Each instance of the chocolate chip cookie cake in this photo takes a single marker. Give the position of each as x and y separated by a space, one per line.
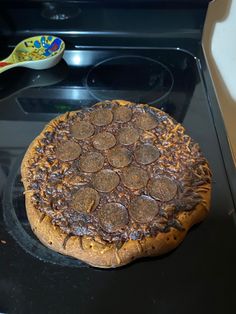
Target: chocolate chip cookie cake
114 182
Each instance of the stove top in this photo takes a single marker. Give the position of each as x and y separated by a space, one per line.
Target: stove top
33 278
160 78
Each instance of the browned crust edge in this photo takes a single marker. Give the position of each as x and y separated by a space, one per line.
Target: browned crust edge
93 252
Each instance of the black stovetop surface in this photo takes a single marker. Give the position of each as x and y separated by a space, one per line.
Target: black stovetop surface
197 277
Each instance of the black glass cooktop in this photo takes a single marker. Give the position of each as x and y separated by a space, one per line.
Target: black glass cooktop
32 277
165 79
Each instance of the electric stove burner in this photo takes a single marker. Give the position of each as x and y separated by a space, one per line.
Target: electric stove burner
134 78
18 225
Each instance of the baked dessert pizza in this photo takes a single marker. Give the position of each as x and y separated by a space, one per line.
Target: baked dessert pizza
114 182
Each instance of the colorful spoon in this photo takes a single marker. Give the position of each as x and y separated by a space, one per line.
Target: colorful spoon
39 52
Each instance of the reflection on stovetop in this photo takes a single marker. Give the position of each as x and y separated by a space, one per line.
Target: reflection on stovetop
164 78
27 78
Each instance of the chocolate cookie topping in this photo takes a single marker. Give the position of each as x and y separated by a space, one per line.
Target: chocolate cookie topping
143 209
116 172
82 129
146 154
122 114
91 162
128 136
162 189
105 180
119 157
85 200
104 140
113 217
68 150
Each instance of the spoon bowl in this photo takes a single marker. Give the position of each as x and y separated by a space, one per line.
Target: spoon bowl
38 52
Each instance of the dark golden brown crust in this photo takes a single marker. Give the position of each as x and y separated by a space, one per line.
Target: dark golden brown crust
94 251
